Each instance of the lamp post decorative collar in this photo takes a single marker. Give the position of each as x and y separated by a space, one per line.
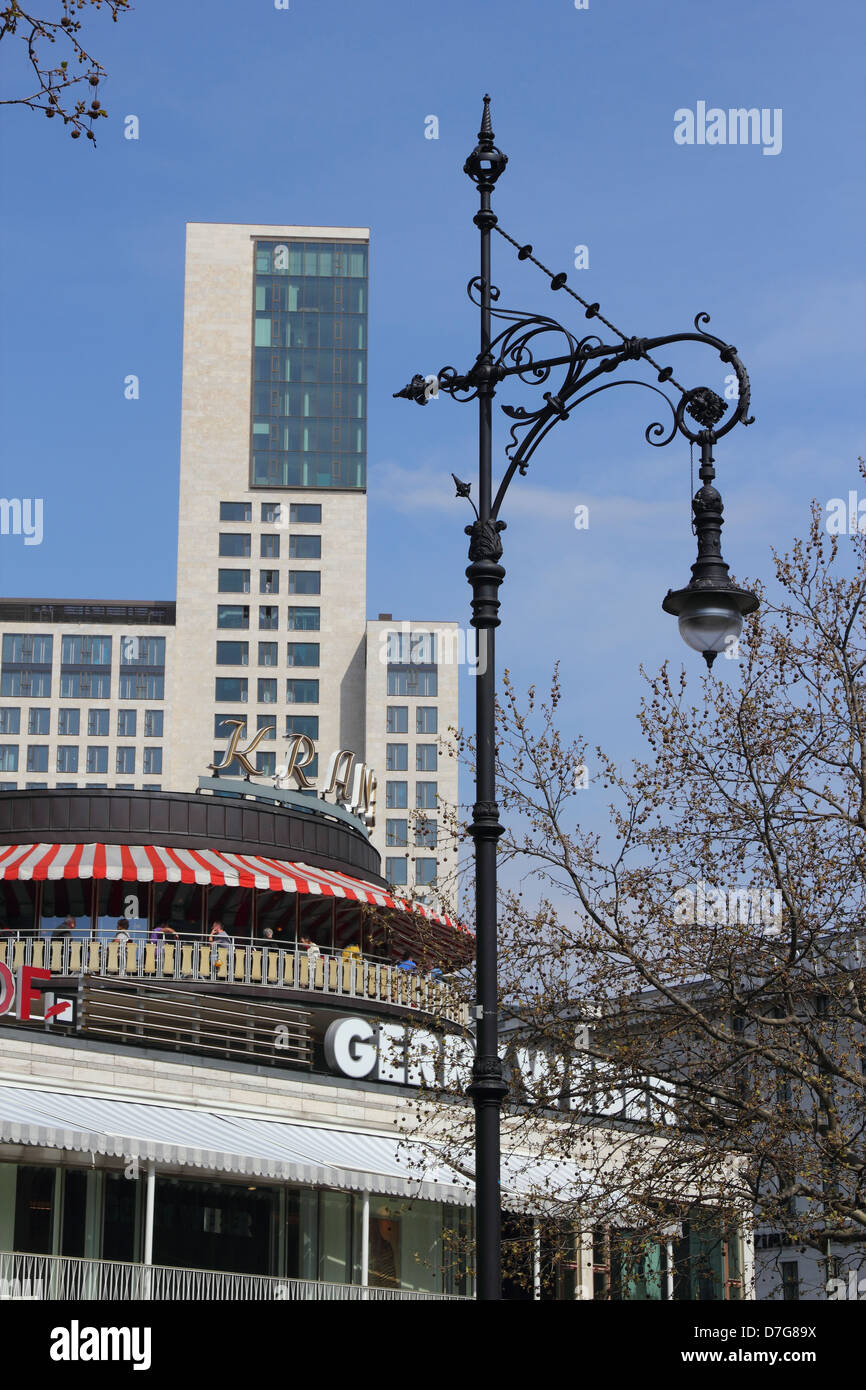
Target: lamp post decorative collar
710 608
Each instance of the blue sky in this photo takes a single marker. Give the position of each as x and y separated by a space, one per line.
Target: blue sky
316 114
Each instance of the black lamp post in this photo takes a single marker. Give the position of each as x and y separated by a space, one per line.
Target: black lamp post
710 608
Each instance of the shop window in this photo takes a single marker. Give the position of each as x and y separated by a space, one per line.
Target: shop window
216 1226
34 1208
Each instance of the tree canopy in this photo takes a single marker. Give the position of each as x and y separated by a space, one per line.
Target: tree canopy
688 1009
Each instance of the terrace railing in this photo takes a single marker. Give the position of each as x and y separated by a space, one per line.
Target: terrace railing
266 967
39 1277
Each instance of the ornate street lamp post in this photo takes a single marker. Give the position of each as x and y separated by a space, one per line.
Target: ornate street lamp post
710 608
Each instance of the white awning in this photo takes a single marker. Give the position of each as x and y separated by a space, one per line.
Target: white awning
226 1143
280 1150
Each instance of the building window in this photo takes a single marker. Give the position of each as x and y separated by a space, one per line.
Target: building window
125 764
33 652
266 763
305 547
235 545
37 758
267 690
304 619
9 757
397 719
233 615
233 581
790 1281
396 832
140 686
272 514
425 871
97 759
231 688
425 796
39 722
301 513
224 725
305 582
232 653
68 723
269 581
266 721
31 649
67 757
97 723
309 366
302 724
10 720
32 786
142 651
36 684
236 511
425 757
269 547
153 723
85 651
83 686
301 692
408 680
268 617
397 871
268 654
302 654
396 757
425 834
152 762
396 795
427 719
127 720
411 648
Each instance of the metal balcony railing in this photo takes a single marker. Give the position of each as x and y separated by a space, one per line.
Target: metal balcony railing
39 1277
267 967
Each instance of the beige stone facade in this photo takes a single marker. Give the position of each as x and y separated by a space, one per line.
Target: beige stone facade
75 735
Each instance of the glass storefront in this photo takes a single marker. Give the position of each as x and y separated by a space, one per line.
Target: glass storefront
702 1262
235 1227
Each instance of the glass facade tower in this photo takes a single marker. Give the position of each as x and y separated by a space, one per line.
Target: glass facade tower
309 416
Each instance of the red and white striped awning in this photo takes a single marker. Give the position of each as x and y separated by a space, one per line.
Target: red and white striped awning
161 864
